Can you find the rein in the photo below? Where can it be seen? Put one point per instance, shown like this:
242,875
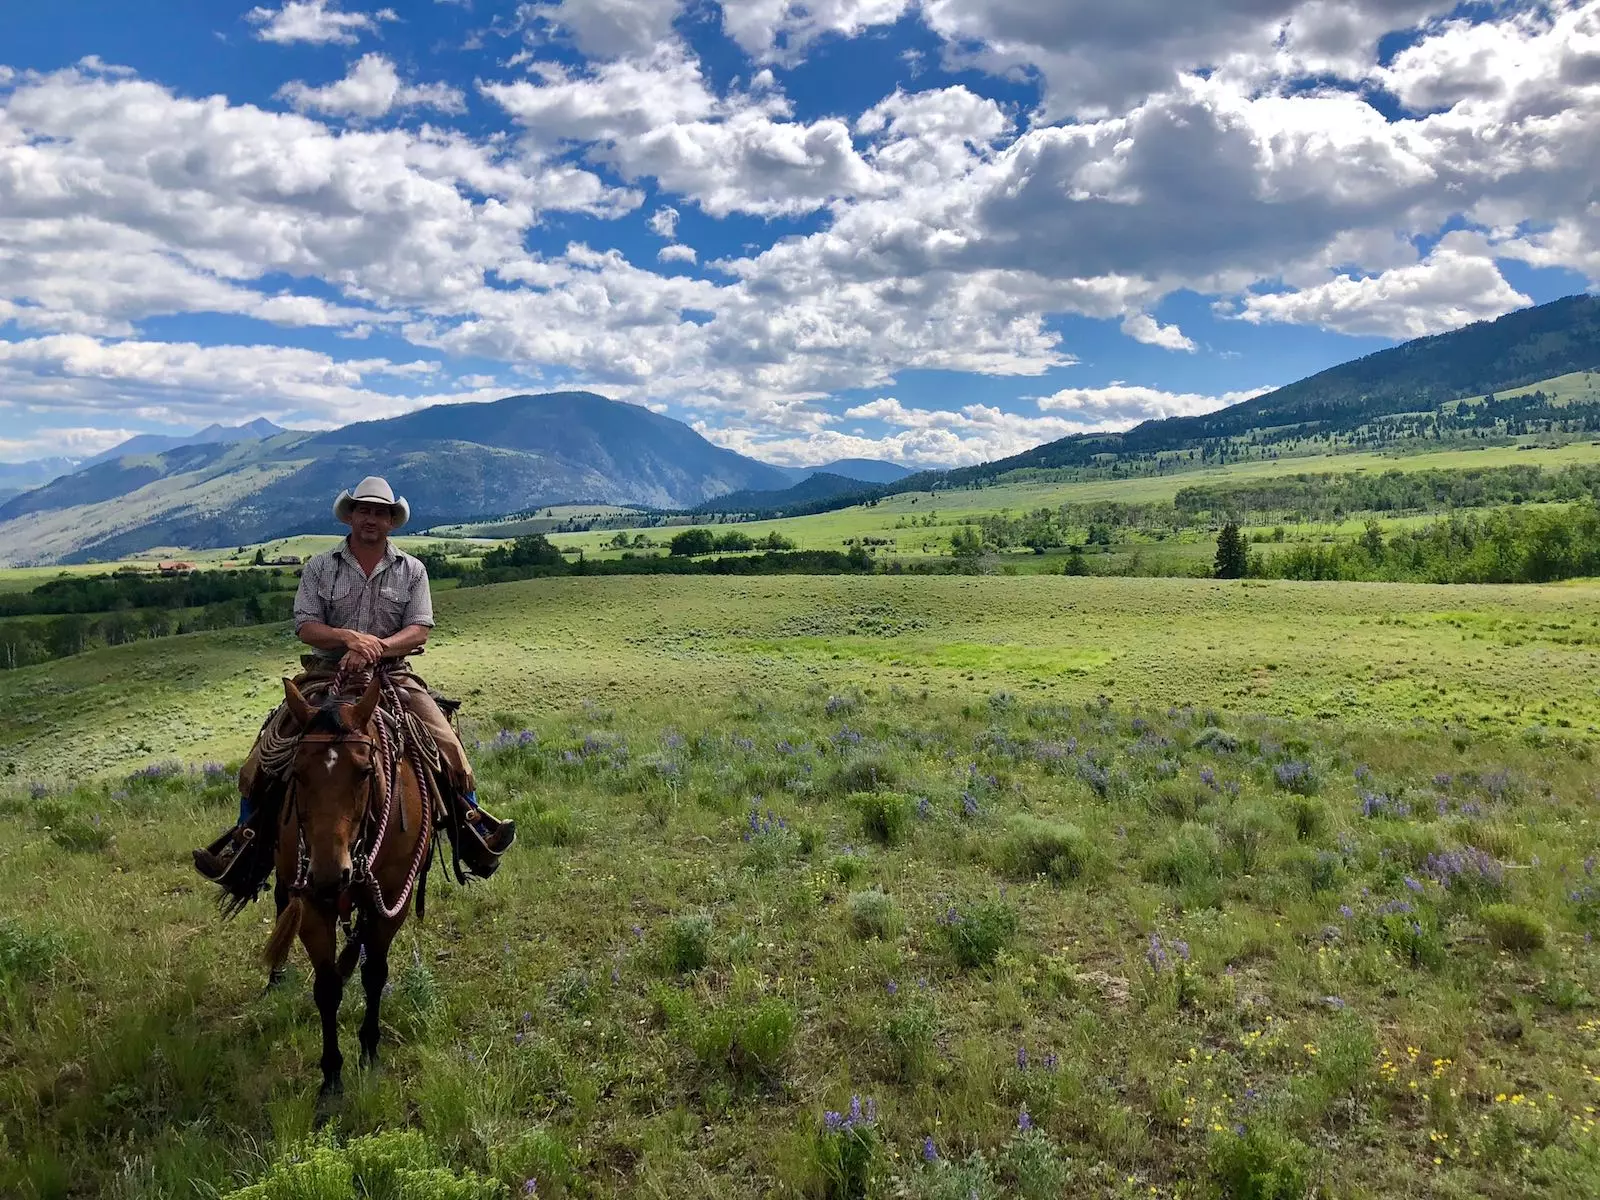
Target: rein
389,751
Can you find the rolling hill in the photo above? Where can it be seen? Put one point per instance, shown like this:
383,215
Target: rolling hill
1526,347
452,462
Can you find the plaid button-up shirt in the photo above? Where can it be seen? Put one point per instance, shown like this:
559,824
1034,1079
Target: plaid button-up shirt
335,591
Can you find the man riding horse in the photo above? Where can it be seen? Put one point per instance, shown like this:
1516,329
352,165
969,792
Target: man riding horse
362,606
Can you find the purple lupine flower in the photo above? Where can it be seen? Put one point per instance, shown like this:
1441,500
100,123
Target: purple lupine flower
1051,1061
1414,885
1182,949
530,1187
833,1122
930,1152
1024,1121
1155,955
1347,912
892,987
1208,777
1022,1058
855,1108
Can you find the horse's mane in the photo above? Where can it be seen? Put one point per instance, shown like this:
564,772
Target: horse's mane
326,717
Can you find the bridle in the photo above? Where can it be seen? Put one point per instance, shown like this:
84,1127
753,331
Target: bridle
388,751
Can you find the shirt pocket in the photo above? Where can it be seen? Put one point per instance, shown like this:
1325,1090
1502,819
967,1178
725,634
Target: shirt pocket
340,588
391,605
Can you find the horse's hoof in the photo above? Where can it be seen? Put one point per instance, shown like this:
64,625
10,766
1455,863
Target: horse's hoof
331,1088
273,982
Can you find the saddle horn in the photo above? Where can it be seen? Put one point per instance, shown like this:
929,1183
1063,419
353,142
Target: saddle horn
361,712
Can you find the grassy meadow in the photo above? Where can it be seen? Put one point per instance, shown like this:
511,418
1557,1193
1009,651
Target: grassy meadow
919,523
1072,886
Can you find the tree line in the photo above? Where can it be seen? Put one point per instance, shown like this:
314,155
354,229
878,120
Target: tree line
128,590
1329,497
25,641
1506,545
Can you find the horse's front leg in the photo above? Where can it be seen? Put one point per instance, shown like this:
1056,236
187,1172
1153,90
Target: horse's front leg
374,975
317,934
280,900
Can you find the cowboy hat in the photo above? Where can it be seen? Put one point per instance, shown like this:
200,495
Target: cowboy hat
372,490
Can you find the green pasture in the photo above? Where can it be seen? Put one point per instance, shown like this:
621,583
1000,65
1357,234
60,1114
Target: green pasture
1487,657
900,518
1109,888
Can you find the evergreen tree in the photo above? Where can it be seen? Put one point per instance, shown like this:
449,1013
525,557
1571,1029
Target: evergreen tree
1233,554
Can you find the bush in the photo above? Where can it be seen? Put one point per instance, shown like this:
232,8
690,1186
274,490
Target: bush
1033,1167
1036,847
870,774
1309,817
846,1152
1218,741
688,943
885,816
1245,831
398,1163
910,1032
1259,1164
976,935
848,867
81,834
25,955
872,914
1189,858
552,827
752,1043
1176,798
1513,928
1295,776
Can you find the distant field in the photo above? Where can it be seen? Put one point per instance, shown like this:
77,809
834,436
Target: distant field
832,530
1491,657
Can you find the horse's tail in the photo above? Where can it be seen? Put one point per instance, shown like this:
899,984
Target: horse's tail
284,933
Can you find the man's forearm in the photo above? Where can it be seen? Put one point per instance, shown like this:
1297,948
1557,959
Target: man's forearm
324,637
397,645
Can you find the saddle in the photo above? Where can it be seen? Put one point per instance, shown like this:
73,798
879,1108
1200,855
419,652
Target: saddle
467,833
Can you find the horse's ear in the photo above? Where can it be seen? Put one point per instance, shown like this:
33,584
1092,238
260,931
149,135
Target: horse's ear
298,708
362,711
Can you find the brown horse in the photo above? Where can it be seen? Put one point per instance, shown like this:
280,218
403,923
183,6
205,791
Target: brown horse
357,830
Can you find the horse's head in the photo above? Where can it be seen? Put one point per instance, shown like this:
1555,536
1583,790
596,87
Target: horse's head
335,764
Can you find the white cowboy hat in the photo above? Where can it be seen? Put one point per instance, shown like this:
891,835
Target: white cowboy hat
372,490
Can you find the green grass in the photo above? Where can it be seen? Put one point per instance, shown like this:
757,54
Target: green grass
1215,881
1488,658
890,518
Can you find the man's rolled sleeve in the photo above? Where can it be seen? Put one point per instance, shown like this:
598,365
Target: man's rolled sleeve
419,609
309,605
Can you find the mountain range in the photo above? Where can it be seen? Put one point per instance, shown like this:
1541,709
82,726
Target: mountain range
453,463
473,462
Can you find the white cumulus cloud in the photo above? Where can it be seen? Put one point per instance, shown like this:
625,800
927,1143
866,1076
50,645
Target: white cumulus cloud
370,89
314,21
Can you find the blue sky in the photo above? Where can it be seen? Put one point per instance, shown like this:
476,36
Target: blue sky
936,231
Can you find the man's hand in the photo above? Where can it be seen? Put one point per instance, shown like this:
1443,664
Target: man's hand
361,649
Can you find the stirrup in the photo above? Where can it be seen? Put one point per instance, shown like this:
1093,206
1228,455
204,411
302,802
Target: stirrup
222,855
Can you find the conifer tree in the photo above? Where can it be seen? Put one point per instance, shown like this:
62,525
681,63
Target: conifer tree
1233,553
